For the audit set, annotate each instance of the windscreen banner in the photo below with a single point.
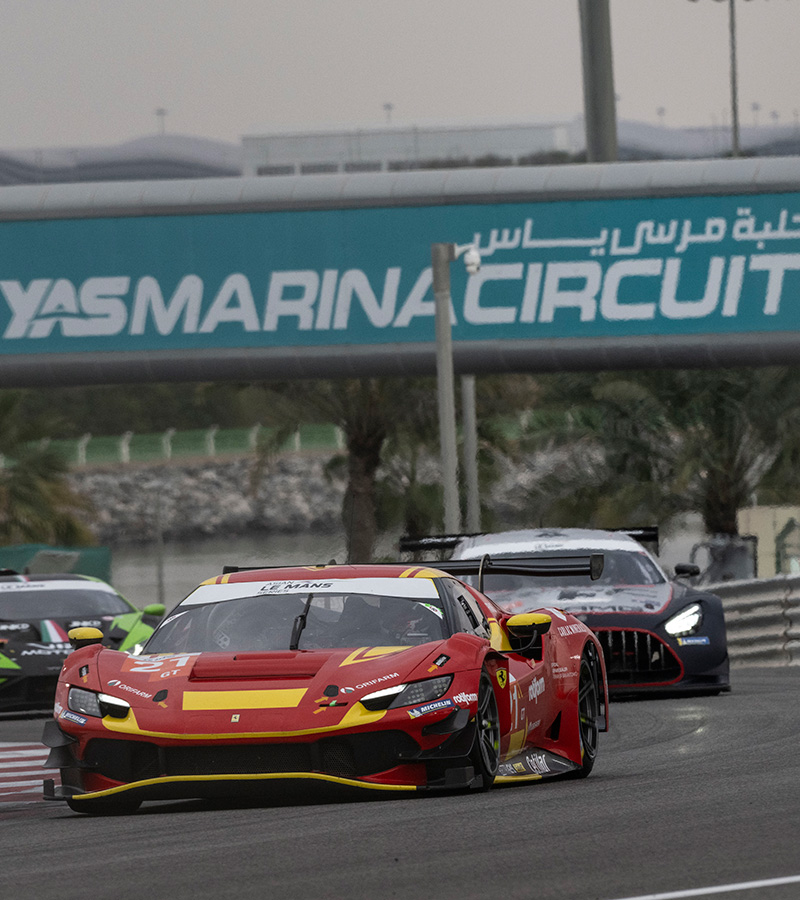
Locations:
(581, 269)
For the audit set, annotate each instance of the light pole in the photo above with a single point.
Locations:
(469, 424)
(599, 100)
(735, 150)
(734, 79)
(441, 257)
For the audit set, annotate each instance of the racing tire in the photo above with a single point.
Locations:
(111, 807)
(588, 713)
(485, 755)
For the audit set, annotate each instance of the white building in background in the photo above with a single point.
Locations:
(395, 148)
(388, 148)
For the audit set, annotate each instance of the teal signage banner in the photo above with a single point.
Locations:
(677, 266)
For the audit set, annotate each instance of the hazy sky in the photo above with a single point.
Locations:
(88, 72)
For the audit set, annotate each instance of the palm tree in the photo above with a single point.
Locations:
(370, 412)
(37, 505)
(391, 433)
(635, 447)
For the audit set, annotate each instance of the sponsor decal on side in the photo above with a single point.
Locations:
(73, 717)
(465, 699)
(694, 641)
(561, 671)
(567, 630)
(131, 690)
(534, 763)
(536, 689)
(366, 684)
(433, 706)
(14, 626)
(537, 764)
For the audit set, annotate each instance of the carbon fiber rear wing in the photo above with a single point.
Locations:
(432, 542)
(540, 566)
(647, 534)
(591, 565)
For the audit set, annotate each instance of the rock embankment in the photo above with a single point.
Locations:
(186, 501)
(294, 493)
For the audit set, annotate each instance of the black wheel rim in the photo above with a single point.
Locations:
(587, 710)
(488, 728)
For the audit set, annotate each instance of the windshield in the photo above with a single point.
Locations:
(18, 603)
(263, 623)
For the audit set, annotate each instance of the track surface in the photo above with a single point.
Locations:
(687, 794)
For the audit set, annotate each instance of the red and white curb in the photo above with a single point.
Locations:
(21, 772)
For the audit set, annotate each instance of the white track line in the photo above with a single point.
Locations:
(720, 889)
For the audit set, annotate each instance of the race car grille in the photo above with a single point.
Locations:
(637, 657)
(343, 757)
(233, 760)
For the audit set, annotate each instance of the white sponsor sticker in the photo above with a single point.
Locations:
(411, 588)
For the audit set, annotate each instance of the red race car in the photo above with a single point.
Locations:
(381, 677)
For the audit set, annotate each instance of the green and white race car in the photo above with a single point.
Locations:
(37, 611)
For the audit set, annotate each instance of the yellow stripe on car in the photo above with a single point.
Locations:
(236, 700)
(267, 776)
(356, 715)
(512, 779)
(364, 654)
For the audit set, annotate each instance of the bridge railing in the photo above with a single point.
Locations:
(202, 443)
(762, 617)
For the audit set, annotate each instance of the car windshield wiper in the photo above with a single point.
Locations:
(299, 624)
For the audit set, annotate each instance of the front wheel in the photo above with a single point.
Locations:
(485, 753)
(588, 714)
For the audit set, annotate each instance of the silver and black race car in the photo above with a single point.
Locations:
(657, 634)
(37, 611)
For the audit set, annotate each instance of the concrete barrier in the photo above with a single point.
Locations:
(763, 620)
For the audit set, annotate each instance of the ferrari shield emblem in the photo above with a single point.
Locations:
(502, 677)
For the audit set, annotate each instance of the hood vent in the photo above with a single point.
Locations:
(218, 666)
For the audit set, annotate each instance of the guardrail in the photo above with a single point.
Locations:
(203, 443)
(762, 617)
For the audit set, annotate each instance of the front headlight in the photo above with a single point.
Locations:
(686, 621)
(408, 694)
(88, 703)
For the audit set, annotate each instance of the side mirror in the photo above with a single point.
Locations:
(84, 637)
(525, 632)
(524, 624)
(686, 570)
(155, 609)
